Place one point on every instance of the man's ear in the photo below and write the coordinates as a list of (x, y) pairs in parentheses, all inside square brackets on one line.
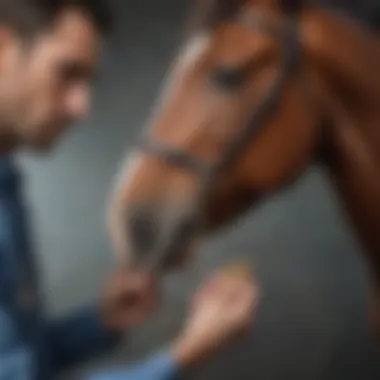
[(7, 36), (9, 42)]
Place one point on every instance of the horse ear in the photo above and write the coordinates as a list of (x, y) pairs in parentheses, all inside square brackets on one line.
[(291, 6), (215, 10)]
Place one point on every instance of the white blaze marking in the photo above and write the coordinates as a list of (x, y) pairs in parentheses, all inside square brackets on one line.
[(193, 50), (187, 57), (128, 168)]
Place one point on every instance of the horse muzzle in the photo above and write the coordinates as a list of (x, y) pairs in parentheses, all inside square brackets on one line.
[(160, 239)]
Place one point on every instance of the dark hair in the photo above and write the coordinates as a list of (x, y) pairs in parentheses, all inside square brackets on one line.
[(29, 17)]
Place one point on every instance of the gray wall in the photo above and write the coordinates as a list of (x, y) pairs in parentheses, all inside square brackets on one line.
[(312, 324)]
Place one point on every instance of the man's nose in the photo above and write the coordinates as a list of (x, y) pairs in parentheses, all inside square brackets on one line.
[(78, 102)]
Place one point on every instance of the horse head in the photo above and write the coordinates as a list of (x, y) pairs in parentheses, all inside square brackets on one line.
[(234, 122)]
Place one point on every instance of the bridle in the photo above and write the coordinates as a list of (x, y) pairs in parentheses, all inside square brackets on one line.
[(208, 173)]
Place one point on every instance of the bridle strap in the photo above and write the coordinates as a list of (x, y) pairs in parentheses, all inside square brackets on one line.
[(263, 112), (255, 124), (175, 157)]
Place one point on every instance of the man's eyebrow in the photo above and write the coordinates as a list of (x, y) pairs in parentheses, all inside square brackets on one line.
[(78, 68)]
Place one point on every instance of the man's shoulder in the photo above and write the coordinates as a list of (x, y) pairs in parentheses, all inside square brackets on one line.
[(7, 164), (10, 175)]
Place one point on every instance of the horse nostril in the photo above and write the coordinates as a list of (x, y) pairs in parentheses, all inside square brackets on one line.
[(159, 238), (144, 230), (180, 237), (185, 229)]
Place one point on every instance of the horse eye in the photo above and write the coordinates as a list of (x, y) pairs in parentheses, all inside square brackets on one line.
[(228, 78)]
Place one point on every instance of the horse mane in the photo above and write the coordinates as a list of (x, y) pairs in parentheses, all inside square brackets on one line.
[(347, 49)]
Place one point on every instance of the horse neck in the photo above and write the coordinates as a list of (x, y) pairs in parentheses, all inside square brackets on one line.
[(347, 60)]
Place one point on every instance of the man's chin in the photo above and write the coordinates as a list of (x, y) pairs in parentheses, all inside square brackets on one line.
[(38, 146)]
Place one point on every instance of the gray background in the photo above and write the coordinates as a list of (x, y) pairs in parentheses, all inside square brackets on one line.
[(313, 320)]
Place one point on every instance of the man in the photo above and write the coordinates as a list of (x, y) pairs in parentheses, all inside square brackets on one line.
[(48, 55)]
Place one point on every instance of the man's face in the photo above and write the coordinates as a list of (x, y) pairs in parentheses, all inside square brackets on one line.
[(45, 84)]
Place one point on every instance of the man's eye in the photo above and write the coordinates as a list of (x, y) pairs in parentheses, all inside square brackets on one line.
[(228, 79), (72, 73)]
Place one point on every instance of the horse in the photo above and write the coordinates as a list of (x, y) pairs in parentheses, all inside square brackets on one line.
[(258, 91)]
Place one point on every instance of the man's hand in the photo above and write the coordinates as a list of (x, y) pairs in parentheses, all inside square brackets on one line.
[(222, 310), (128, 299)]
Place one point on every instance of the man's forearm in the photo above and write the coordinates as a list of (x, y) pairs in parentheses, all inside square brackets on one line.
[(160, 366), (168, 364)]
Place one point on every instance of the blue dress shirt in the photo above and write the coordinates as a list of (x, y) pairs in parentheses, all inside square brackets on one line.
[(33, 347)]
